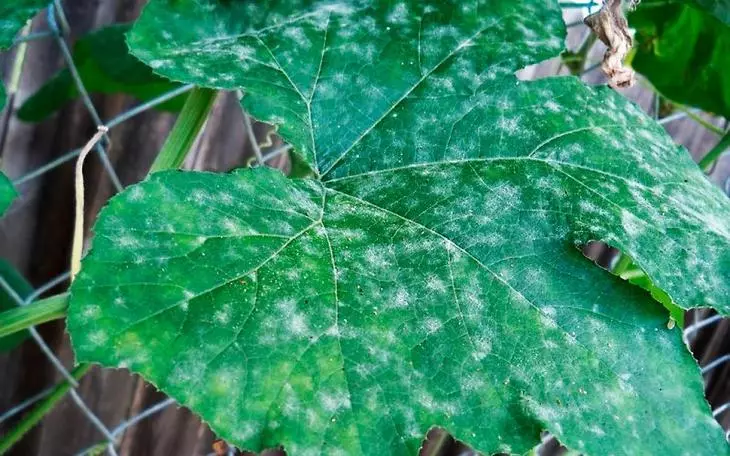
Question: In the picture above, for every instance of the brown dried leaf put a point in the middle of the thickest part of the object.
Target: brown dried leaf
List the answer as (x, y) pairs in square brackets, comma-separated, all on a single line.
[(611, 27)]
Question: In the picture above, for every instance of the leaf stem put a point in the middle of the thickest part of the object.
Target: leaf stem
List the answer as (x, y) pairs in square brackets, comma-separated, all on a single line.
[(187, 127), (41, 311), (37, 414), (711, 157), (707, 125)]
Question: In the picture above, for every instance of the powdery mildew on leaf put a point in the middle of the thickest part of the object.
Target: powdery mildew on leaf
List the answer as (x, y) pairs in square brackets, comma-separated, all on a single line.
[(429, 276), (325, 71)]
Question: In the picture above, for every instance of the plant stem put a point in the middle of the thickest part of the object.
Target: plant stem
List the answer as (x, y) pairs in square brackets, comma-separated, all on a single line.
[(187, 127), (20, 318), (699, 120), (711, 157), (37, 414)]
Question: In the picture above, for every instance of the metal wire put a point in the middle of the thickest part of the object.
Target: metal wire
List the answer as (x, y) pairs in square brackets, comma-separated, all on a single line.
[(690, 330), (26, 403), (252, 139), (717, 362), (66, 52), (719, 410), (148, 105), (160, 406), (95, 421)]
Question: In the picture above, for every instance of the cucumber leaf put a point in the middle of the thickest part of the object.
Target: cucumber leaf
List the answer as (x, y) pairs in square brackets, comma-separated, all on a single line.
[(428, 274), (684, 51)]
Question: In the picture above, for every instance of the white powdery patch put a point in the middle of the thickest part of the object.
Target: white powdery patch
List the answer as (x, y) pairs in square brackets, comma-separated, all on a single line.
[(98, 337), (401, 299), (296, 321), (223, 316), (136, 193), (431, 325), (633, 226), (242, 432), (482, 348), (92, 311), (434, 283), (597, 430), (398, 15), (334, 401)]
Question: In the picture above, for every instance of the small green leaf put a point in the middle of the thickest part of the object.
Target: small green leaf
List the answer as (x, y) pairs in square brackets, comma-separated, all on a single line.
[(684, 51), (23, 289), (13, 16), (429, 274), (719, 8), (7, 193), (105, 66)]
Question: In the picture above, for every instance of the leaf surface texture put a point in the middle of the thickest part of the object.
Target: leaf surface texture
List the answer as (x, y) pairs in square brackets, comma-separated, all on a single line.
[(429, 275)]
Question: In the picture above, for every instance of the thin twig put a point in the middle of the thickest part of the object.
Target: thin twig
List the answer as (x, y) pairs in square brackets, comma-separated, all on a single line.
[(78, 237), (252, 139)]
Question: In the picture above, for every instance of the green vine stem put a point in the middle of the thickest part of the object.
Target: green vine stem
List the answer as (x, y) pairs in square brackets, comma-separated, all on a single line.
[(41, 311), (191, 120), (179, 141), (37, 414), (707, 125), (711, 157)]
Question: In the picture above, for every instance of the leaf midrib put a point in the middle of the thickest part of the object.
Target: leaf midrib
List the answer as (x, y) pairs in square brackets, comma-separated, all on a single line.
[(554, 164)]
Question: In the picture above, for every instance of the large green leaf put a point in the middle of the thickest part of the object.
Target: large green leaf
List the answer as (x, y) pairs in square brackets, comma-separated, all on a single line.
[(684, 51), (13, 15), (7, 193), (105, 66), (429, 275)]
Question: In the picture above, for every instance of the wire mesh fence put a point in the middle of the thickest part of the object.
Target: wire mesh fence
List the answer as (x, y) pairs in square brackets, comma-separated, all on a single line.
[(699, 323)]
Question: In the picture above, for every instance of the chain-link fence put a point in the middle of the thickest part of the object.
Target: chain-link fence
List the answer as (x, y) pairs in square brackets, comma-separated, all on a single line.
[(34, 408)]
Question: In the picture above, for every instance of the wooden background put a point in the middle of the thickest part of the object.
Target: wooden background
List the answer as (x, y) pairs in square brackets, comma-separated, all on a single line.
[(36, 236)]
